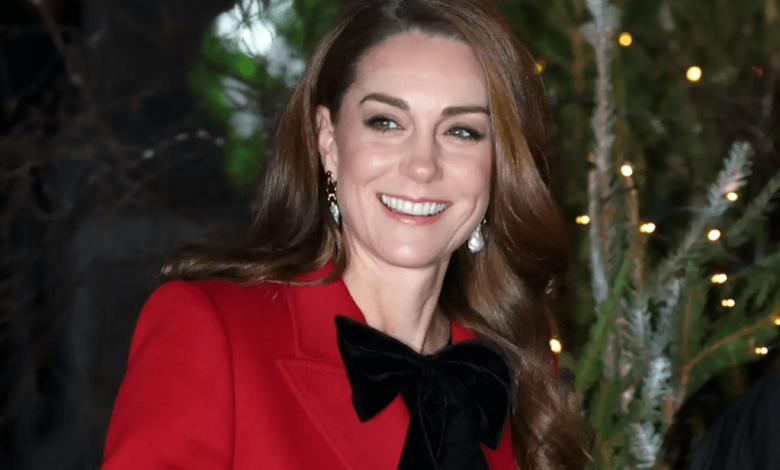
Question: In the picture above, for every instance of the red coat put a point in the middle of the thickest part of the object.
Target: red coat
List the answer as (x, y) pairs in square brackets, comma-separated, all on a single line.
[(223, 376)]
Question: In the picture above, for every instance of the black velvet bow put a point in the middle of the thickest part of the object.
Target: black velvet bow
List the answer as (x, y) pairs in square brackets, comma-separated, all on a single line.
[(457, 397)]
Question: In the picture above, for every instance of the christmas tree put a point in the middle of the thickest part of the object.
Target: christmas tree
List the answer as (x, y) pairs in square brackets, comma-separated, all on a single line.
[(658, 335)]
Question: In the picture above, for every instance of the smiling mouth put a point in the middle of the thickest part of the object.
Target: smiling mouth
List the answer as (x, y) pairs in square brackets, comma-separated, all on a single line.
[(402, 206)]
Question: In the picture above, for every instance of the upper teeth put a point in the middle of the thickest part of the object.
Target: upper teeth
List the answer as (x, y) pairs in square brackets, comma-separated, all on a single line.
[(413, 208)]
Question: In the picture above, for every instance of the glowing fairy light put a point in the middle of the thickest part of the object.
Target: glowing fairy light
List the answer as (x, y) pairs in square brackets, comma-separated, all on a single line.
[(728, 303), (693, 74), (625, 39), (719, 278), (732, 196), (583, 220), (647, 228), (713, 235), (626, 170), (556, 346)]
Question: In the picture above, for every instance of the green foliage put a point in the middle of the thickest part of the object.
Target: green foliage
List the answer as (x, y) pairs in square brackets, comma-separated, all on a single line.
[(230, 81), (754, 215), (312, 20), (599, 333), (242, 162), (661, 330)]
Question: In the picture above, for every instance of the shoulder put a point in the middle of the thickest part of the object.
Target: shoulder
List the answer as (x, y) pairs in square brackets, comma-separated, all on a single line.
[(239, 312), (219, 296)]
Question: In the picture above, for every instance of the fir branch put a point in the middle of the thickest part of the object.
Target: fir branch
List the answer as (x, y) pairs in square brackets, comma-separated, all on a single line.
[(598, 276), (609, 358), (631, 206), (755, 213), (594, 348), (620, 224), (639, 322), (730, 178), (645, 444), (755, 282), (770, 263), (600, 405), (687, 369), (607, 449), (654, 386), (689, 328), (631, 351), (599, 33), (665, 319)]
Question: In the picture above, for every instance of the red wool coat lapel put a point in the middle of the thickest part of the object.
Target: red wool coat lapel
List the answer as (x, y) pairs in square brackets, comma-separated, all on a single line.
[(319, 381)]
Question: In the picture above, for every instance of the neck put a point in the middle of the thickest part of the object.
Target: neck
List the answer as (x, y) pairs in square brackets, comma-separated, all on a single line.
[(401, 302)]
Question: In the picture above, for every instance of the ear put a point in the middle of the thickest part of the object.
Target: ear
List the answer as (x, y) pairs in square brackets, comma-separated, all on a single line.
[(326, 141)]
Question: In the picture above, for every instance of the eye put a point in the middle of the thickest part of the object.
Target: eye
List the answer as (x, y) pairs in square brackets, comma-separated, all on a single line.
[(382, 123), (465, 133)]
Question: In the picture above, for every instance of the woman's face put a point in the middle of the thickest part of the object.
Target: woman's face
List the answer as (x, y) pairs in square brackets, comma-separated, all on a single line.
[(411, 151)]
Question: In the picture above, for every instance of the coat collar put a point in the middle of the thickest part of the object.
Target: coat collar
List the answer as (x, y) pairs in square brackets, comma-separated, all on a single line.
[(319, 380), (315, 333)]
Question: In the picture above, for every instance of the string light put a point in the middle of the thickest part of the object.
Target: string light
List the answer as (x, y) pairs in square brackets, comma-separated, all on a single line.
[(728, 303), (693, 74), (762, 351), (540, 64), (556, 346), (625, 39), (647, 228), (626, 170), (583, 220), (719, 278), (732, 196), (777, 321), (713, 235)]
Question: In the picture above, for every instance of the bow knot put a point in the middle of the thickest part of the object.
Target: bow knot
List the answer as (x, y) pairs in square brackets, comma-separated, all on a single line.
[(457, 397)]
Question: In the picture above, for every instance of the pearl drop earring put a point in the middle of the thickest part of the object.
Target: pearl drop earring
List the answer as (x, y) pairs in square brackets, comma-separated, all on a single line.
[(476, 240)]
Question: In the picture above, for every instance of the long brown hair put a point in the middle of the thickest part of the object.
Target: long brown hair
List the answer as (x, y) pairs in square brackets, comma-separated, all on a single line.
[(503, 292)]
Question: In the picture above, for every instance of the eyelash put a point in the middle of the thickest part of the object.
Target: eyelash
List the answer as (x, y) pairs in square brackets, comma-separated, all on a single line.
[(378, 123)]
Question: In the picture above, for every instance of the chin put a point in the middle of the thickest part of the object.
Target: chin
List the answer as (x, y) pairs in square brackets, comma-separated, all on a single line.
[(415, 258)]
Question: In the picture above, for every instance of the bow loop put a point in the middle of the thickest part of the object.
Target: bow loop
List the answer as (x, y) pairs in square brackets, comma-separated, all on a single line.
[(457, 397), (484, 377)]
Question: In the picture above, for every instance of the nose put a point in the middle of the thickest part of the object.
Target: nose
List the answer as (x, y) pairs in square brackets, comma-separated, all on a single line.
[(422, 160)]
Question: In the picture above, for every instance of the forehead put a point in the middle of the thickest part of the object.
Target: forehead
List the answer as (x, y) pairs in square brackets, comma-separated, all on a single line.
[(416, 63)]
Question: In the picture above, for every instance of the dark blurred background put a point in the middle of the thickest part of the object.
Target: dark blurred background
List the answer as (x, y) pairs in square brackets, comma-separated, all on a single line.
[(129, 127), (86, 87)]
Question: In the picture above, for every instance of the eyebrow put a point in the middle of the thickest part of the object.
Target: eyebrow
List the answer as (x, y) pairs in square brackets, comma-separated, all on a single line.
[(401, 104)]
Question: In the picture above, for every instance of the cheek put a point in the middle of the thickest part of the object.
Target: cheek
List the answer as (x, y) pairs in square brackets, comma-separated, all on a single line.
[(473, 173), (362, 158), (485, 169)]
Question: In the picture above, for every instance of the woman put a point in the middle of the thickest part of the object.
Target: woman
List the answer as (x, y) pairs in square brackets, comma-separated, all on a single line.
[(404, 208)]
